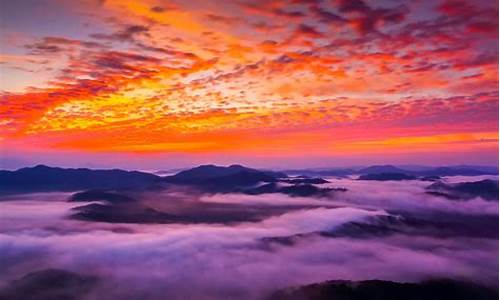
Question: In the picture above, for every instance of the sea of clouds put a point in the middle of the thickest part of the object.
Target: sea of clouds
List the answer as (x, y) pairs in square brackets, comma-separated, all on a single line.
[(231, 261)]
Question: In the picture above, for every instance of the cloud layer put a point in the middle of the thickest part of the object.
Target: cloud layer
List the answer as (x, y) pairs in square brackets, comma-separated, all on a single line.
[(232, 261)]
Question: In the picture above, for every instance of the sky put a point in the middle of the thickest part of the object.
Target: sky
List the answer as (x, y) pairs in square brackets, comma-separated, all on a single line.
[(453, 239), (155, 84)]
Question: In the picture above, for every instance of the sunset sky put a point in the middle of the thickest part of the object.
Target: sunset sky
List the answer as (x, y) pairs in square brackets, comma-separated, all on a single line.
[(156, 84)]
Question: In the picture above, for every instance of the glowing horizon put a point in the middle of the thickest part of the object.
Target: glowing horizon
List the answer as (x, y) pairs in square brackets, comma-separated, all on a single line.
[(267, 83)]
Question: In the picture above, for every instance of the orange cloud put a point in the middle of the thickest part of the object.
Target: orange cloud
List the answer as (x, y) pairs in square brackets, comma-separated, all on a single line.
[(336, 77)]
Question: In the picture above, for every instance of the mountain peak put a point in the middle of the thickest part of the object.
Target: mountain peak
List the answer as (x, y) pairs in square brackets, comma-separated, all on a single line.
[(41, 166)]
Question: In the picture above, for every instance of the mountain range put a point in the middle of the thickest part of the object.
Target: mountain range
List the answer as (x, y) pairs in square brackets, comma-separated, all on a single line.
[(461, 170), (42, 178)]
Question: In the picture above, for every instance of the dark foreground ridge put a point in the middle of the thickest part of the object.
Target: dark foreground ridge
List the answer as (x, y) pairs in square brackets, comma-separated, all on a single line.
[(387, 290), (49, 284)]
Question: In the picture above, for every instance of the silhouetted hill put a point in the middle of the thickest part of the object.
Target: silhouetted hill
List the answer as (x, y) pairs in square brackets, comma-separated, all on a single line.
[(221, 179), (382, 169), (99, 195), (487, 189), (430, 178), (49, 284), (305, 180), (210, 178), (296, 190), (334, 172), (117, 208), (206, 172), (387, 290), (462, 170), (307, 190), (43, 178), (439, 171), (439, 225), (241, 178), (455, 171), (387, 176), (489, 169), (121, 213)]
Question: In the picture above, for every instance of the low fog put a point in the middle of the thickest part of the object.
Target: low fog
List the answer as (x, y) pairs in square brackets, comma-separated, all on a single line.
[(240, 260)]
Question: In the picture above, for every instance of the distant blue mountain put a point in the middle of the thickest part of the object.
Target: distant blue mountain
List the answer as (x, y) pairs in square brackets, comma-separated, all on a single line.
[(234, 175), (335, 172), (207, 177), (456, 171), (462, 170), (382, 169), (44, 178), (387, 176)]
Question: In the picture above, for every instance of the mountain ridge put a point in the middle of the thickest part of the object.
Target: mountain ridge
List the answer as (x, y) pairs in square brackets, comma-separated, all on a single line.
[(41, 178)]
